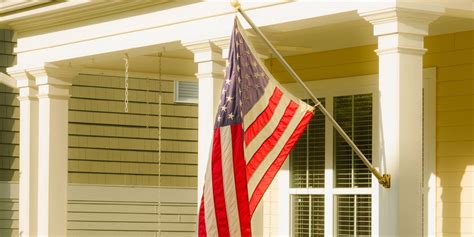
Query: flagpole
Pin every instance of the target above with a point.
(384, 179)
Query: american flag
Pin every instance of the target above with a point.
(257, 124)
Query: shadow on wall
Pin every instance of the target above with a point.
(9, 159)
(455, 187)
(9, 141)
(9, 136)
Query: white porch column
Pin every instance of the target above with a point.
(28, 151)
(210, 75)
(400, 33)
(53, 98)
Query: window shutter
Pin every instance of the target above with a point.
(354, 114)
(353, 215)
(308, 215)
(186, 92)
(307, 157)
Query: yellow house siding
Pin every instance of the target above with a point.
(109, 146)
(452, 55)
(347, 62)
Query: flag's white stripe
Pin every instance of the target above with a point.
(272, 155)
(259, 106)
(268, 129)
(210, 216)
(229, 182)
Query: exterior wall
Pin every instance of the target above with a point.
(109, 146)
(9, 114)
(7, 43)
(453, 57)
(9, 134)
(102, 210)
(9, 209)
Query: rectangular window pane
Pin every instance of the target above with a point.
(308, 215)
(354, 114)
(307, 156)
(353, 215)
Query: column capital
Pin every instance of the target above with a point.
(53, 74)
(400, 28)
(53, 81)
(22, 77)
(208, 56)
(223, 44)
(25, 83)
(204, 51)
(401, 18)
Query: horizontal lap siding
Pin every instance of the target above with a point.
(103, 210)
(96, 210)
(109, 146)
(453, 55)
(130, 218)
(9, 216)
(9, 113)
(9, 134)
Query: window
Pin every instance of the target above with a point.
(333, 184)
(307, 171)
(353, 215)
(325, 176)
(186, 92)
(354, 114)
(308, 213)
(308, 168)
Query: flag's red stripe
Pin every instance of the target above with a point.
(240, 180)
(272, 140)
(202, 220)
(273, 169)
(218, 186)
(264, 117)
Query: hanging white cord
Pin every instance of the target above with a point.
(160, 55)
(126, 83)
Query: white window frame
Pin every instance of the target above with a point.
(352, 86)
(177, 98)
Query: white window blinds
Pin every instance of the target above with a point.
(354, 114)
(308, 215)
(307, 157)
(353, 215)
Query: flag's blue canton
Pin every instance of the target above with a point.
(244, 83)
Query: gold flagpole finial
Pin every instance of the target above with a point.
(235, 4)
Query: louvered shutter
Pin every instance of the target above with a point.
(186, 92)
(354, 114)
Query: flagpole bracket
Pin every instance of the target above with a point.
(386, 180)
